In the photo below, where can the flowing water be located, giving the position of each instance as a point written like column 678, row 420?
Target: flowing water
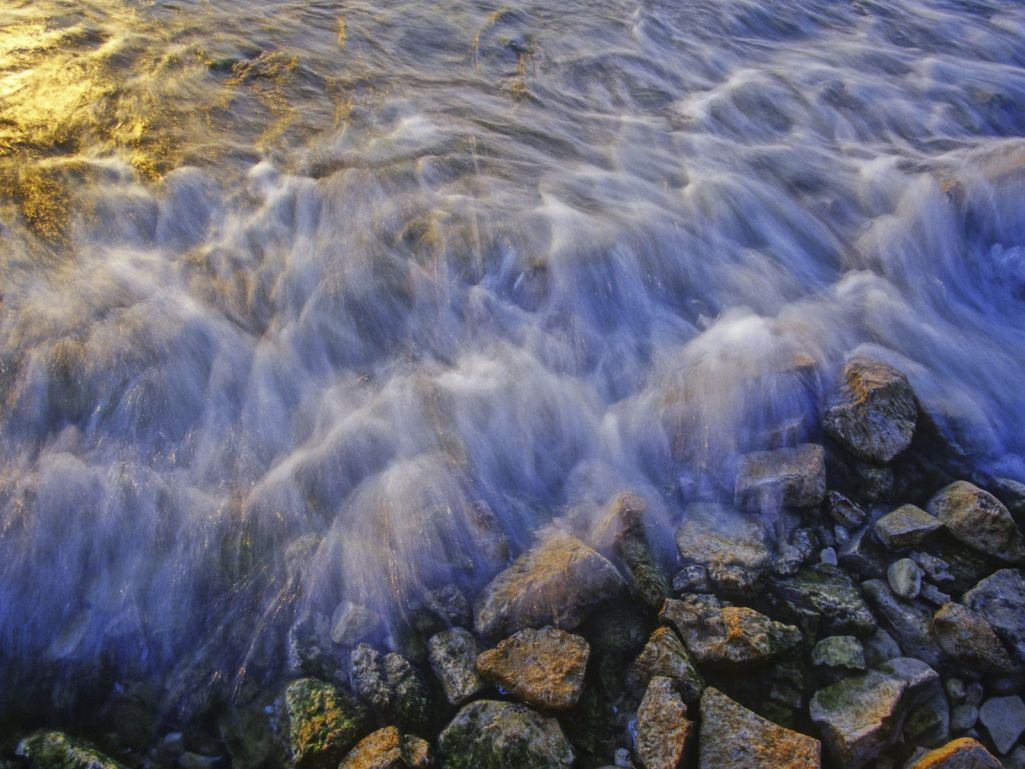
column 313, row 300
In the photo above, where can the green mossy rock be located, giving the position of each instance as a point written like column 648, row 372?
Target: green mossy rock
column 324, row 723
column 488, row 734
column 55, row 750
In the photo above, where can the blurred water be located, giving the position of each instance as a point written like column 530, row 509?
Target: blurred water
column 415, row 278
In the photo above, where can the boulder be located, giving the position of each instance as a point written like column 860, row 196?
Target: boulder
column 557, row 582
column 665, row 655
column 1004, row 721
column 979, row 520
column 387, row 748
column 732, row 547
column 1000, row 600
column 873, row 411
column 390, row 685
column 544, row 668
column 453, row 657
column 324, row 723
column 828, row 594
column 663, row 731
column 791, row 477
column 487, row 734
column 906, row 526
column 964, row 753
column 969, row 640
column 56, row 750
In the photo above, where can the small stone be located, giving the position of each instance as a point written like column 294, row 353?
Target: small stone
column 732, row 547
column 973, row 694
column 351, row 623
column 911, row 626
column 844, row 511
column 905, row 578
column 928, row 723
column 967, row 638
column 934, row 568
column 453, row 656
column 663, row 730
column 843, row 652
column 964, row 717
column 828, row 556
column 1004, row 721
column 906, row 526
column 964, row 753
column 56, row 750
column 979, row 520
column 665, row 655
column 691, row 579
column 932, row 594
column 955, row 688
column 323, row 723
column 1000, row 599
column 544, row 668
column 503, row 735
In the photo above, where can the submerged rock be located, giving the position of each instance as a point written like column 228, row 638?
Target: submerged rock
column 665, row 655
column 771, row 480
column 351, row 623
column 56, row 750
column 453, row 657
column 544, row 668
column 964, row 753
column 873, row 411
column 387, row 748
column 906, row 526
column 390, row 685
column 323, row 723
column 979, row 520
column 733, row 737
column 969, row 640
column 502, row 735
column 557, row 582
column 730, row 546
column 663, row 731
column 1000, row 600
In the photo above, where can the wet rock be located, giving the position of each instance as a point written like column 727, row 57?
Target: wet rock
column 844, row 511
column 873, row 411
column 732, row 547
column 56, row 750
column 453, row 657
column 906, row 526
column 973, row 693
column 310, row 649
column 1000, row 600
column 905, row 578
column 979, row 520
column 839, row 653
column 928, row 723
column 934, row 568
column 557, row 582
column 351, row 623
column 734, row 635
column 920, row 678
column 323, row 723
column 733, row 737
column 620, row 531
column 387, row 748
column 1004, row 721
column 665, row 655
column 911, row 626
column 771, row 480
column 663, row 731
column 827, row 593
column 691, row 579
column 874, row 483
column 964, row 717
column 502, row 735
column 881, row 647
column 955, row 688
column 449, row 606
column 932, row 594
column 862, row 555
column 968, row 639
column 390, row 685
column 544, row 668
column 964, row 753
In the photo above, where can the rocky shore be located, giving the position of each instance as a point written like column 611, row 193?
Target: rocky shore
column 857, row 602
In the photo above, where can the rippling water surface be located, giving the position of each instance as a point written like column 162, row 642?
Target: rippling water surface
column 305, row 301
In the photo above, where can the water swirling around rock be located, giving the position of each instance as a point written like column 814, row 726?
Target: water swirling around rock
column 313, row 301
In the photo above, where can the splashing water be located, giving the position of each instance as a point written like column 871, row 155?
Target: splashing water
column 312, row 301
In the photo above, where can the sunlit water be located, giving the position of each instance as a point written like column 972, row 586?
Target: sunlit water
column 410, row 276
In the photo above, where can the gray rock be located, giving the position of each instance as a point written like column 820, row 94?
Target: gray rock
column 862, row 554
column 955, row 688
column 881, row 647
column 964, row 717
column 732, row 547
column 665, row 655
column 827, row 593
column 351, row 623
column 874, row 483
column 973, row 693
column 934, row 568
column 691, row 579
column 1004, row 721
column 932, row 594
column 928, row 723
column 843, row 652
column 979, row 520
column 449, row 605
column 905, row 578
column 844, row 511
column 967, row 638
column 859, row 717
column 771, row 480
column 503, row 735
column 911, row 626
column 828, row 556
column 872, row 411
column 453, row 656
column 557, row 582
column 906, row 526
column 1000, row 599
column 663, row 730
column 390, row 685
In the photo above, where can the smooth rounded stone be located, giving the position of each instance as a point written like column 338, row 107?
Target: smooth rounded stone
column 324, row 723
column 731, row 546
column 1004, row 721
column 390, row 685
column 906, row 526
column 665, row 655
column 557, row 582
column 56, row 750
column 963, row 753
column 351, row 623
column 839, row 652
column 487, row 734
column 1015, row 759
column 964, row 717
column 453, row 657
column 544, row 668
column 827, row 593
column 911, row 626
column 873, row 410
column 691, row 579
column 663, row 730
column 828, row 556
column 733, row 737
column 387, row 748
column 979, row 520
column 905, row 578
column 735, row 635
column 1000, row 599
column 859, row 717
column 768, row 481
column 967, row 638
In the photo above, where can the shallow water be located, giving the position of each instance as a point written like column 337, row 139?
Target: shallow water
column 414, row 277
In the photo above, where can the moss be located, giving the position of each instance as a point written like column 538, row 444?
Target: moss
column 55, row 750
column 323, row 723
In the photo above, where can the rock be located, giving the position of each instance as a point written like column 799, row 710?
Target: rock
column 905, row 578
column 732, row 737
column 881, row 647
column 1004, row 721
column 388, row 749
column 56, row 750
column 967, row 638
column 827, row 593
column 920, row 678
column 691, row 579
column 502, row 735
column 453, row 657
column 449, row 606
column 771, row 480
column 351, row 623
column 390, row 685
column 844, row 511
column 557, row 582
column 964, row 753
column 973, row 693
column 859, row 717
column 979, row 520
column 842, row 653
column 874, row 483
column 665, row 655
column 828, row 556
column 862, row 554
column 964, row 717
column 955, row 688
column 735, row 635
column 731, row 547
column 544, row 668
column 310, row 649
column 873, row 411
column 620, row 533
column 933, row 568
column 663, row 730
column 906, row 526
column 1000, row 600
column 911, row 626
column 928, row 723
column 323, row 723
column 932, row 594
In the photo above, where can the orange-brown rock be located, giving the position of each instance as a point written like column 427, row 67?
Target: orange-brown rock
column 544, row 668
column 387, row 748
column 964, row 753
column 663, row 731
